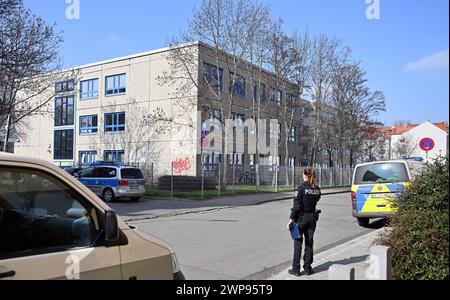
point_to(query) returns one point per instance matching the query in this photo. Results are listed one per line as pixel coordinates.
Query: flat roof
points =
(131, 56)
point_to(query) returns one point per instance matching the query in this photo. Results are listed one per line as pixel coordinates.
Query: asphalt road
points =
(249, 242)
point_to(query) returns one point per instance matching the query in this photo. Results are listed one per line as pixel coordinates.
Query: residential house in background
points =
(395, 142)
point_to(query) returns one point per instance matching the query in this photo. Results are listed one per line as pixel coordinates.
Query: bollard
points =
(340, 272)
(380, 263)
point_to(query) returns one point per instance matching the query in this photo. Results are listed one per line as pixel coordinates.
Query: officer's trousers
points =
(307, 226)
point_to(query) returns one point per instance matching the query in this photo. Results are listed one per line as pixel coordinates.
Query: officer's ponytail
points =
(311, 174)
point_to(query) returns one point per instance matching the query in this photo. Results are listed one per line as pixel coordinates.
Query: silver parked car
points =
(112, 182)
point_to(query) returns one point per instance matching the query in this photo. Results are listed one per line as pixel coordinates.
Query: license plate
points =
(134, 187)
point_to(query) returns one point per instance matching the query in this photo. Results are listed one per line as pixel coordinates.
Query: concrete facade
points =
(142, 141)
(143, 95)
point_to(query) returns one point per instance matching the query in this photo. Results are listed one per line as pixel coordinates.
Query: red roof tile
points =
(443, 126)
(398, 130)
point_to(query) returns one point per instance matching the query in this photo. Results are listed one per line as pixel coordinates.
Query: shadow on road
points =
(378, 224)
(148, 205)
(352, 260)
(160, 207)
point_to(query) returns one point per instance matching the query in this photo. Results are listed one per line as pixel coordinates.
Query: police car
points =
(113, 181)
(376, 185)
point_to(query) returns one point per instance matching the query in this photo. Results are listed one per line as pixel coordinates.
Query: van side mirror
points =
(111, 227)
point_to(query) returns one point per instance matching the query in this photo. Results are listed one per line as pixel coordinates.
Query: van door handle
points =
(7, 274)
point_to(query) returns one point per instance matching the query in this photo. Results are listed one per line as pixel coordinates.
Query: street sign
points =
(427, 144)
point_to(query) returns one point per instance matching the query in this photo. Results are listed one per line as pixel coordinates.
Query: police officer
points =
(304, 214)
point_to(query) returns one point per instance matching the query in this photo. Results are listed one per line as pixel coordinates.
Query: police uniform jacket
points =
(305, 201)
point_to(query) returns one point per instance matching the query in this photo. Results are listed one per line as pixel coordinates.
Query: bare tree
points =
(325, 50)
(405, 146)
(360, 107)
(7, 6)
(257, 57)
(374, 144)
(285, 56)
(300, 76)
(28, 64)
(228, 28)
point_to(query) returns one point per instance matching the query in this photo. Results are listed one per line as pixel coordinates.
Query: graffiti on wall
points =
(181, 165)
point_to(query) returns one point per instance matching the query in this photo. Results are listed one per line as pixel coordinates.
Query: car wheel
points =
(135, 199)
(363, 222)
(108, 195)
(179, 276)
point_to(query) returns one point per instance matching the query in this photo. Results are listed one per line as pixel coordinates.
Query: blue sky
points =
(405, 52)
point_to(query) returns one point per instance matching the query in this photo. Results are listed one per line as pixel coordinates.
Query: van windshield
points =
(131, 174)
(381, 173)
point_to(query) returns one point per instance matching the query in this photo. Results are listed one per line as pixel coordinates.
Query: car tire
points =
(363, 222)
(179, 276)
(135, 199)
(108, 195)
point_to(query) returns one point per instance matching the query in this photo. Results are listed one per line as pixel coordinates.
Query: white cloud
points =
(435, 62)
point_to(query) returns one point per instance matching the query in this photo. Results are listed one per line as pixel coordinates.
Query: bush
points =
(419, 237)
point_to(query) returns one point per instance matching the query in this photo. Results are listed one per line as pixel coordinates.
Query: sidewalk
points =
(353, 254)
(150, 208)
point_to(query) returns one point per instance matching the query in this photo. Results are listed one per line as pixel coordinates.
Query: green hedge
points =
(419, 237)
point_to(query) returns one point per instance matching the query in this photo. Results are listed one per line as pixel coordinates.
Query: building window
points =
(115, 122)
(292, 161)
(262, 93)
(116, 85)
(255, 92)
(63, 145)
(88, 125)
(114, 156)
(211, 161)
(293, 135)
(87, 157)
(292, 103)
(211, 77)
(64, 111)
(305, 150)
(306, 112)
(305, 131)
(237, 116)
(237, 159)
(9, 146)
(277, 97)
(89, 89)
(274, 162)
(65, 86)
(238, 88)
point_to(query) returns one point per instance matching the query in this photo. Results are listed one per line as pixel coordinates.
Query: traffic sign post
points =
(427, 144)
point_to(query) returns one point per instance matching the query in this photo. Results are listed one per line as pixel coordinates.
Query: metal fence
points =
(173, 179)
(239, 179)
